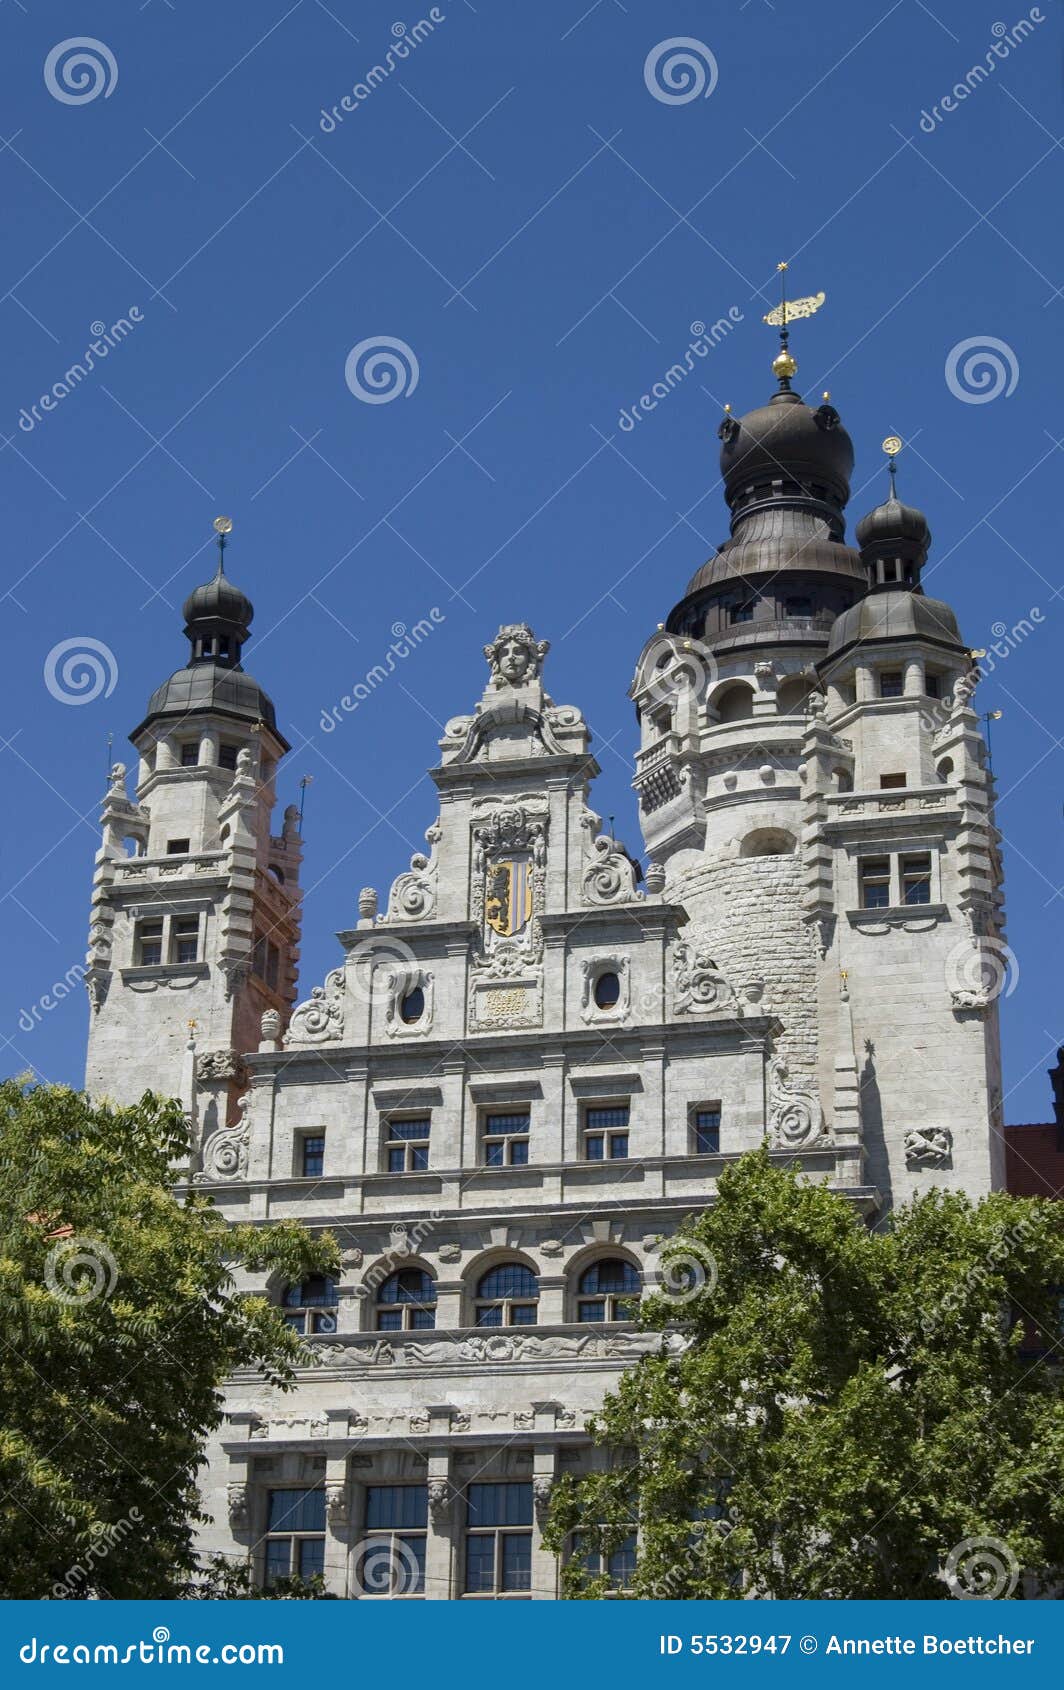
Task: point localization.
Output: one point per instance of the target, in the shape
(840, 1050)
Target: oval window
(607, 990)
(412, 1007)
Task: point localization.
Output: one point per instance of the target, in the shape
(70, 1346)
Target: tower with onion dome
(195, 920)
(813, 788)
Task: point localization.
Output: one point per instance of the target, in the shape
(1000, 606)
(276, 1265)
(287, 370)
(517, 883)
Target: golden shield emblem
(508, 900)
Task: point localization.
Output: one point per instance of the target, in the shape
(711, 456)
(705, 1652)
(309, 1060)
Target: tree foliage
(119, 1321)
(836, 1412)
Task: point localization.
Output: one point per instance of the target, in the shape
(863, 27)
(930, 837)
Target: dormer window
(189, 753)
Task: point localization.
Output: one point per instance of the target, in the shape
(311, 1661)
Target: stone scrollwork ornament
(699, 988)
(225, 1154)
(320, 1019)
(219, 1065)
(413, 894)
(796, 1120)
(610, 875)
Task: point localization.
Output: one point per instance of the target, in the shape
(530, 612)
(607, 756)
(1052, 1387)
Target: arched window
(412, 1006)
(406, 1302)
(607, 991)
(507, 1296)
(735, 703)
(768, 842)
(311, 1305)
(609, 1290)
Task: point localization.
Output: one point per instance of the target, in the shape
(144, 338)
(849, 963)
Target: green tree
(119, 1321)
(836, 1412)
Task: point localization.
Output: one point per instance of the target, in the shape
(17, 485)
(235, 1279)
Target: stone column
(337, 1523)
(445, 1510)
(544, 1471)
(914, 677)
(865, 683)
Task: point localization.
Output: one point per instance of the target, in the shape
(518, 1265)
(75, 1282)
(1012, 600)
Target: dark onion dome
(894, 530)
(785, 440)
(206, 688)
(894, 613)
(219, 601)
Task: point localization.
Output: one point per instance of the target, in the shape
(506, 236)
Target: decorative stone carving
(352, 1256)
(270, 1026)
(515, 655)
(551, 1247)
(399, 983)
(542, 1491)
(320, 1020)
(235, 975)
(419, 1421)
(654, 879)
(928, 1147)
(439, 1500)
(796, 1120)
(239, 1508)
(336, 1503)
(219, 1065)
(699, 987)
(451, 1252)
(367, 904)
(97, 984)
(609, 877)
(512, 827)
(592, 967)
(413, 894)
(225, 1154)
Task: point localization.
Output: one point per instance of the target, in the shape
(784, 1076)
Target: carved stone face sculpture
(515, 655)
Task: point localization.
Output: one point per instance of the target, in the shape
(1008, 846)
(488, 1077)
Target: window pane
(397, 1160)
(311, 1557)
(396, 1506)
(419, 1157)
(610, 1275)
(519, 1152)
(422, 1320)
(409, 1575)
(296, 1511)
(500, 1505)
(480, 1561)
(594, 1147)
(621, 1563)
(707, 1131)
(614, 1116)
(491, 1316)
(506, 1124)
(523, 1314)
(510, 1279)
(618, 1146)
(517, 1561)
(278, 1560)
(493, 1154)
(408, 1129)
(313, 1155)
(390, 1320)
(876, 895)
(591, 1311)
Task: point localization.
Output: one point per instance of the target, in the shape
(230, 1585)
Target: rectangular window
(227, 755)
(177, 847)
(295, 1534)
(620, 1562)
(498, 1559)
(743, 612)
(799, 607)
(887, 783)
(266, 962)
(149, 948)
(313, 1155)
(916, 879)
(189, 753)
(932, 686)
(891, 683)
(705, 1130)
(184, 939)
(875, 883)
(392, 1553)
(606, 1132)
(406, 1145)
(506, 1139)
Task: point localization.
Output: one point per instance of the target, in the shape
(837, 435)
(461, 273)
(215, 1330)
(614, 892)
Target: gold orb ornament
(223, 525)
(892, 445)
(784, 366)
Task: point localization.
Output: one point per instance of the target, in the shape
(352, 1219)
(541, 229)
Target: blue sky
(541, 231)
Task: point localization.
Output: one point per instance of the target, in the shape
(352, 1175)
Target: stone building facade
(533, 1059)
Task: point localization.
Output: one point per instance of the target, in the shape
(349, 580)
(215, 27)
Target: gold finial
(223, 525)
(826, 395)
(892, 445)
(727, 410)
(784, 365)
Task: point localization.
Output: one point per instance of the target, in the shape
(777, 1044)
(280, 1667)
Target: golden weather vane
(785, 365)
(223, 527)
(892, 445)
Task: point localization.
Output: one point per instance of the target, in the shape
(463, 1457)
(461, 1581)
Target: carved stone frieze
(320, 1019)
(698, 986)
(796, 1120)
(413, 894)
(928, 1147)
